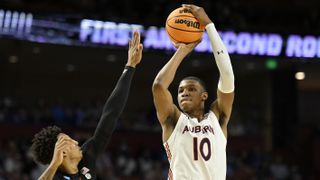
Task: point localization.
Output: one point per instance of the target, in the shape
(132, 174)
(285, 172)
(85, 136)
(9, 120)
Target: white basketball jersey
(197, 150)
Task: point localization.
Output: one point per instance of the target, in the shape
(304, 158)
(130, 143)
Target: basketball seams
(181, 16)
(194, 31)
(179, 41)
(172, 36)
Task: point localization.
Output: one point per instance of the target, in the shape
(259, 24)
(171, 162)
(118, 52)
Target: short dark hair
(43, 144)
(196, 79)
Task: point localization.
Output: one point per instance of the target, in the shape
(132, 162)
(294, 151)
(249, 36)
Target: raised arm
(167, 112)
(222, 107)
(118, 98)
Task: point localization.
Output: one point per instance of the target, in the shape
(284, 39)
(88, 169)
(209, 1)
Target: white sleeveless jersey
(197, 150)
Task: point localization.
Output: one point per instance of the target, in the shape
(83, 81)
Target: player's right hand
(186, 48)
(135, 50)
(199, 13)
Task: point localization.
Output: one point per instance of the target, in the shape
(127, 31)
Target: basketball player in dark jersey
(66, 159)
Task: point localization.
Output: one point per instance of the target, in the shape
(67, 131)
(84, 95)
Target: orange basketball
(183, 27)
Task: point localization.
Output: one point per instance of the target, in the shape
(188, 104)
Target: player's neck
(199, 114)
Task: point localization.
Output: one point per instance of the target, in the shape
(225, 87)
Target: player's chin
(80, 153)
(185, 107)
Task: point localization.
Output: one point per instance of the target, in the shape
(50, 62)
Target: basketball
(183, 27)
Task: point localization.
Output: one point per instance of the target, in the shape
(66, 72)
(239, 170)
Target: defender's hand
(135, 50)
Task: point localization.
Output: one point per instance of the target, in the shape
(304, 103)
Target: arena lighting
(13, 59)
(15, 23)
(242, 43)
(157, 38)
(308, 46)
(271, 64)
(300, 75)
(73, 31)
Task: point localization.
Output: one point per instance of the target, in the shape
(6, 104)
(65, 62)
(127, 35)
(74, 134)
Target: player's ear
(204, 96)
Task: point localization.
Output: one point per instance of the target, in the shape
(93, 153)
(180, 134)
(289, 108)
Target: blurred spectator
(279, 169)
(128, 160)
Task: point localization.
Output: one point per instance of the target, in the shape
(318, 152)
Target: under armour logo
(220, 52)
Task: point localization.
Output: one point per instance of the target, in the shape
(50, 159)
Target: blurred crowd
(76, 114)
(121, 163)
(69, 114)
(125, 161)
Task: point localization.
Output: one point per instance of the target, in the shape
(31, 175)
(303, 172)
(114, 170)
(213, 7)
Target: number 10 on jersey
(199, 147)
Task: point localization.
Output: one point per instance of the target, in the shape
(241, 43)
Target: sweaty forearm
(113, 108)
(167, 73)
(221, 55)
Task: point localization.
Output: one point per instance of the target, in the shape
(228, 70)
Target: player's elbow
(157, 86)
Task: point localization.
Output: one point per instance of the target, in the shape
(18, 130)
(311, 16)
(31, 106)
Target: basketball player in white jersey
(195, 141)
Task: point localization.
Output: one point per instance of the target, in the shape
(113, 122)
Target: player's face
(190, 95)
(73, 151)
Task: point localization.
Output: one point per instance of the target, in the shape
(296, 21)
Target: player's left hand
(199, 13)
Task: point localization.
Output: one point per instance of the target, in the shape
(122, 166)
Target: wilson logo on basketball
(188, 23)
(183, 27)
